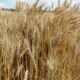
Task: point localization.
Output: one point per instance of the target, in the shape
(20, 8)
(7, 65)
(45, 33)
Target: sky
(47, 3)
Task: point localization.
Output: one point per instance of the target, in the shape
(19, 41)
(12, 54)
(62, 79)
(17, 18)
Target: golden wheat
(37, 44)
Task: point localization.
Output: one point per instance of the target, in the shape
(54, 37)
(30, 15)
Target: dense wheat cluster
(40, 45)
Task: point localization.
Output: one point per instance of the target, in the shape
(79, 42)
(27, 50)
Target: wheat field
(40, 45)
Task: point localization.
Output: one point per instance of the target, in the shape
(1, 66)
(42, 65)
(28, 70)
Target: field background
(37, 44)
